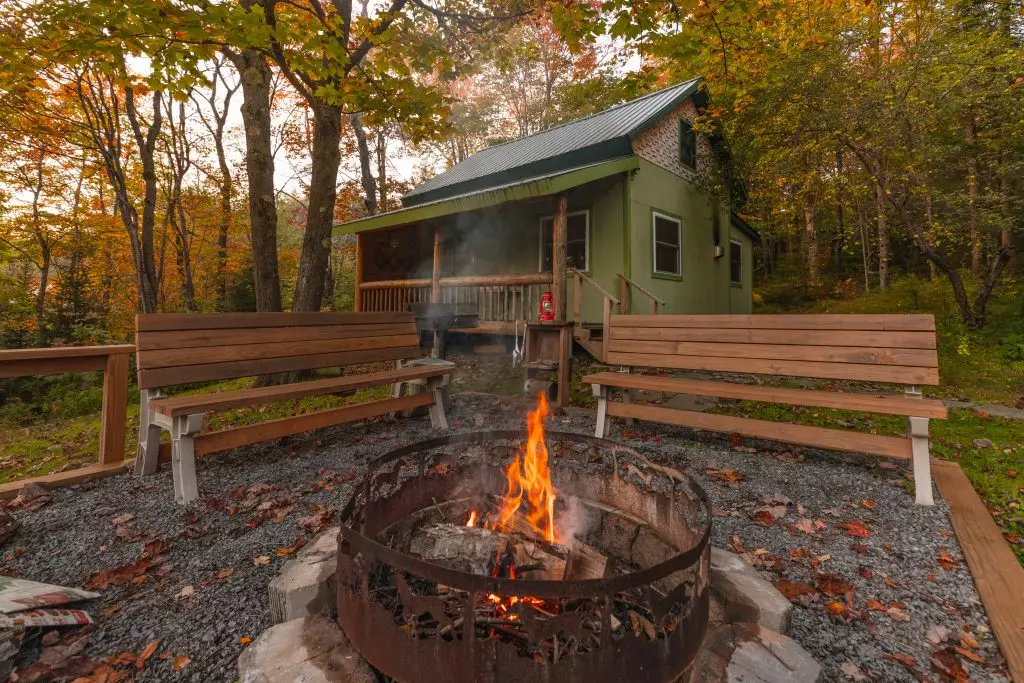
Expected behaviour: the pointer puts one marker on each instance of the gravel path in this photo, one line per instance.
(73, 538)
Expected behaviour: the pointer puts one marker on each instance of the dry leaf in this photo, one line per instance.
(796, 591)
(945, 560)
(838, 609)
(946, 662)
(905, 660)
(973, 656)
(180, 663)
(834, 585)
(875, 605)
(244, 640)
(852, 671)
(225, 573)
(856, 528)
(889, 582)
(860, 548)
(285, 551)
(868, 503)
(737, 544)
(897, 614)
(937, 634)
(122, 519)
(866, 573)
(140, 661)
(262, 560)
(968, 641)
(809, 526)
(186, 592)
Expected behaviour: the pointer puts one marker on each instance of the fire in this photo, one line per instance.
(529, 474)
(472, 518)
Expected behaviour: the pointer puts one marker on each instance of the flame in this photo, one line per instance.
(529, 474)
(472, 518)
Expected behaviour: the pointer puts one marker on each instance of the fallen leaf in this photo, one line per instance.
(856, 528)
(968, 641)
(737, 544)
(937, 635)
(973, 656)
(154, 548)
(852, 671)
(875, 605)
(868, 503)
(641, 624)
(730, 478)
(905, 660)
(146, 653)
(244, 640)
(180, 663)
(122, 519)
(796, 591)
(164, 655)
(838, 609)
(897, 614)
(262, 560)
(225, 573)
(285, 551)
(889, 582)
(860, 548)
(809, 526)
(945, 560)
(799, 553)
(121, 659)
(866, 573)
(834, 585)
(946, 662)
(186, 592)
(1011, 474)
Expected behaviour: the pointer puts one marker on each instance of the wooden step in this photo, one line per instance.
(594, 347)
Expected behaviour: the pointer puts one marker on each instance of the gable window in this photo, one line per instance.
(577, 241)
(668, 241)
(735, 262)
(687, 144)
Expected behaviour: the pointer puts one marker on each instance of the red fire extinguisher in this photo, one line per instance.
(547, 306)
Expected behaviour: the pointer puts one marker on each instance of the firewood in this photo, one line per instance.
(584, 562)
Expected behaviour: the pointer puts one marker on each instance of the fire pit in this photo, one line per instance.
(511, 556)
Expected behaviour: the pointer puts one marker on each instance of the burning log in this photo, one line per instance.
(486, 552)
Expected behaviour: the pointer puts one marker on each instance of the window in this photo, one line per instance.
(667, 245)
(735, 262)
(577, 241)
(687, 144)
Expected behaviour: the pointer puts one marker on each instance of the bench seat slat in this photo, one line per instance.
(827, 321)
(225, 400)
(223, 354)
(186, 339)
(828, 354)
(820, 437)
(162, 377)
(872, 403)
(898, 340)
(897, 374)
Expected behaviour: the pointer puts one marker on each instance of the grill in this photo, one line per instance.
(415, 620)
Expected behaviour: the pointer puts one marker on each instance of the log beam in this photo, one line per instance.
(558, 255)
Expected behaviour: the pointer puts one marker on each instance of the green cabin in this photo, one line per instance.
(632, 195)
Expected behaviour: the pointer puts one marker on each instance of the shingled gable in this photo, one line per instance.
(599, 137)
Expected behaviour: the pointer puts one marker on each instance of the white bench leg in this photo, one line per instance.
(438, 419)
(601, 392)
(183, 457)
(917, 431)
(148, 456)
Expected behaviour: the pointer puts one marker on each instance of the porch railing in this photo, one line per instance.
(496, 298)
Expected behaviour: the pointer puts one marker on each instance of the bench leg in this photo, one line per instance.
(183, 457)
(148, 455)
(438, 419)
(917, 431)
(601, 392)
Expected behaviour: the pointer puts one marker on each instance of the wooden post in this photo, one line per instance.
(358, 274)
(623, 296)
(558, 255)
(577, 301)
(606, 326)
(435, 294)
(115, 406)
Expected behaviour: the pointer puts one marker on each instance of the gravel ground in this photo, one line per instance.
(71, 539)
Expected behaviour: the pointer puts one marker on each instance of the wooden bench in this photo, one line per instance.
(896, 349)
(175, 349)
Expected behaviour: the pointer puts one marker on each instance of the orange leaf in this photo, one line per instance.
(838, 609)
(905, 660)
(244, 640)
(225, 573)
(180, 663)
(866, 573)
(968, 641)
(946, 561)
(856, 528)
(140, 661)
(874, 604)
(973, 656)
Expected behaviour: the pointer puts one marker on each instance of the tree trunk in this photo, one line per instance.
(883, 237)
(259, 160)
(146, 142)
(382, 168)
(971, 136)
(840, 241)
(225, 225)
(366, 172)
(811, 239)
(323, 188)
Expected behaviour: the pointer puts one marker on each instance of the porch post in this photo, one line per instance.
(558, 255)
(435, 287)
(358, 307)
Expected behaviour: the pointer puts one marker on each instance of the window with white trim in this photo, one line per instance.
(735, 262)
(668, 244)
(577, 241)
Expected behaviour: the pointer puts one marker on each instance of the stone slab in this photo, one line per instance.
(745, 596)
(308, 650)
(306, 584)
(749, 653)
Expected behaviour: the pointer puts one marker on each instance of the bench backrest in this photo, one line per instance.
(875, 348)
(180, 348)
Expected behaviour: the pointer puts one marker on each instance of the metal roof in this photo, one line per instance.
(605, 135)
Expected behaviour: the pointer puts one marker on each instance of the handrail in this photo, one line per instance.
(464, 281)
(643, 290)
(599, 288)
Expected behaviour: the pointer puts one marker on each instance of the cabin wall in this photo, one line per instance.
(741, 295)
(703, 287)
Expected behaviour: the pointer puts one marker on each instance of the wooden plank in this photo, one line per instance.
(52, 366)
(899, 340)
(224, 400)
(155, 341)
(155, 322)
(63, 352)
(818, 437)
(559, 229)
(896, 374)
(115, 409)
(998, 575)
(357, 275)
(223, 354)
(853, 321)
(167, 377)
(65, 478)
(828, 354)
(275, 429)
(870, 403)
